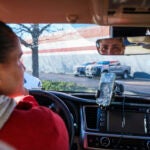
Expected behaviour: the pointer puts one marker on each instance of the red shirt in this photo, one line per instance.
(34, 127)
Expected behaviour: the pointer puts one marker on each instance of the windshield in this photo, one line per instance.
(64, 57)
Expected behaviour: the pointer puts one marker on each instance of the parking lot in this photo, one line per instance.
(134, 85)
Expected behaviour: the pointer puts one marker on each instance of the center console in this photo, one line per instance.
(118, 126)
(116, 122)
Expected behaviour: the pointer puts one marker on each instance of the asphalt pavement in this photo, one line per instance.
(133, 85)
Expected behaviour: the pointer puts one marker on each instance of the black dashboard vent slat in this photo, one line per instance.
(111, 12)
(91, 115)
(132, 10)
(129, 10)
(136, 12)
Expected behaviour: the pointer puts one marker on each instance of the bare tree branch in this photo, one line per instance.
(25, 43)
(26, 29)
(33, 30)
(44, 28)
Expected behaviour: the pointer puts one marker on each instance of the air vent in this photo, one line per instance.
(111, 12)
(121, 12)
(132, 10)
(128, 10)
(91, 117)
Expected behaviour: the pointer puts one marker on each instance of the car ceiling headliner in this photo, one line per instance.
(44, 11)
(75, 11)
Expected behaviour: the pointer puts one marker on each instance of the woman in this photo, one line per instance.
(23, 123)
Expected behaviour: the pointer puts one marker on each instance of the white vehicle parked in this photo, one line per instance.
(31, 82)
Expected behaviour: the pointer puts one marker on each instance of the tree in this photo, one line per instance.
(35, 31)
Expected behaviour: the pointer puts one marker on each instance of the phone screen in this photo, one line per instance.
(106, 86)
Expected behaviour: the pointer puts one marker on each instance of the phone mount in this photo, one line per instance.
(105, 90)
(118, 88)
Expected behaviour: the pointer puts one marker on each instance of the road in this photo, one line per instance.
(138, 86)
(70, 78)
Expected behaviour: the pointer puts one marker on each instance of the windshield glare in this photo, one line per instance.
(68, 60)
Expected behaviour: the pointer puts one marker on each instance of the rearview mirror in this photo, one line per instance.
(124, 45)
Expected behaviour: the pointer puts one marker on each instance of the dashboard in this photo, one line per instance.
(124, 124)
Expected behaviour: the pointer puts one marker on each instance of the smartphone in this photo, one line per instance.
(106, 87)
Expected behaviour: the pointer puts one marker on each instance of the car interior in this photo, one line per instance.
(110, 107)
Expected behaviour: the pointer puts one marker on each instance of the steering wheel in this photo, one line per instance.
(53, 102)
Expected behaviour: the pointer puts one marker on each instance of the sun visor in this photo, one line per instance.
(144, 39)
